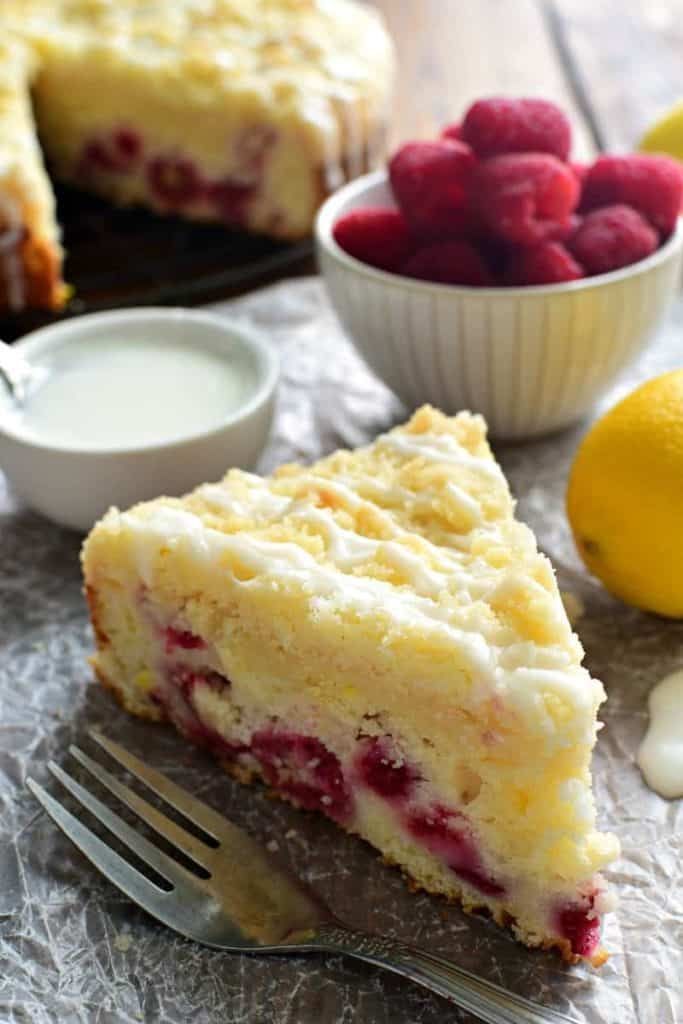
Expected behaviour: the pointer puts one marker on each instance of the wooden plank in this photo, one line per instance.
(630, 57)
(451, 52)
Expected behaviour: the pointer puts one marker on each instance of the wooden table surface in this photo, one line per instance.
(612, 66)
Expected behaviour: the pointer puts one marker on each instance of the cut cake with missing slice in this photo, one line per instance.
(246, 114)
(30, 251)
(377, 638)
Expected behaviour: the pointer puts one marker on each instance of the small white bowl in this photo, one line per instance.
(75, 486)
(532, 360)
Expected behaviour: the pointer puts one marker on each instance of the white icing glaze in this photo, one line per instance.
(660, 756)
(331, 591)
(345, 547)
(465, 502)
(514, 582)
(397, 495)
(262, 502)
(449, 593)
(441, 448)
(98, 396)
(170, 527)
(348, 549)
(528, 685)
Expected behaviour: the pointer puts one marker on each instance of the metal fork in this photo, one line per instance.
(241, 900)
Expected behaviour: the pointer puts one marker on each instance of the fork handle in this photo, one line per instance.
(487, 1001)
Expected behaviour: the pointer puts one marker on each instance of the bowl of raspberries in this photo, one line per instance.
(485, 269)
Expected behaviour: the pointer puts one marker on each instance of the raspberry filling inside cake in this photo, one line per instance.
(306, 771)
(174, 182)
(376, 638)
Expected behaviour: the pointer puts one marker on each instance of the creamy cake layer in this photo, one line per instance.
(383, 604)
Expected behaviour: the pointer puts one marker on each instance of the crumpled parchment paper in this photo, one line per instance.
(72, 948)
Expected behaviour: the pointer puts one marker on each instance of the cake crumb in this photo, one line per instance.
(272, 846)
(573, 605)
(123, 941)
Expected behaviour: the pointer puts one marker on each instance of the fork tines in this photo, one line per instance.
(118, 870)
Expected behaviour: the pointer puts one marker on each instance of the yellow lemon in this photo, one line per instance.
(666, 134)
(625, 497)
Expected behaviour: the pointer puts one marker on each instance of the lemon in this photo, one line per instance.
(666, 134)
(625, 497)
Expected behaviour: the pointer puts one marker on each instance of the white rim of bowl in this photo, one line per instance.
(330, 210)
(266, 359)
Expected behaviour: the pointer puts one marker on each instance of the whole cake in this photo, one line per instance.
(245, 112)
(377, 638)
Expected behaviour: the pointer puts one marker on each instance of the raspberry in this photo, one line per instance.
(303, 768)
(184, 680)
(546, 263)
(612, 237)
(653, 185)
(183, 638)
(230, 200)
(114, 154)
(580, 171)
(500, 125)
(448, 262)
(494, 255)
(581, 926)
(128, 145)
(375, 235)
(382, 771)
(177, 702)
(452, 132)
(430, 182)
(446, 834)
(174, 181)
(524, 197)
(566, 229)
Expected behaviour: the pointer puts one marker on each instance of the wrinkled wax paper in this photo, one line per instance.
(72, 948)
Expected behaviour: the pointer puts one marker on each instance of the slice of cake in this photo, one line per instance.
(246, 114)
(378, 639)
(30, 254)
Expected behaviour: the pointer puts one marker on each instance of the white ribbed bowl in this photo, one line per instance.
(532, 360)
